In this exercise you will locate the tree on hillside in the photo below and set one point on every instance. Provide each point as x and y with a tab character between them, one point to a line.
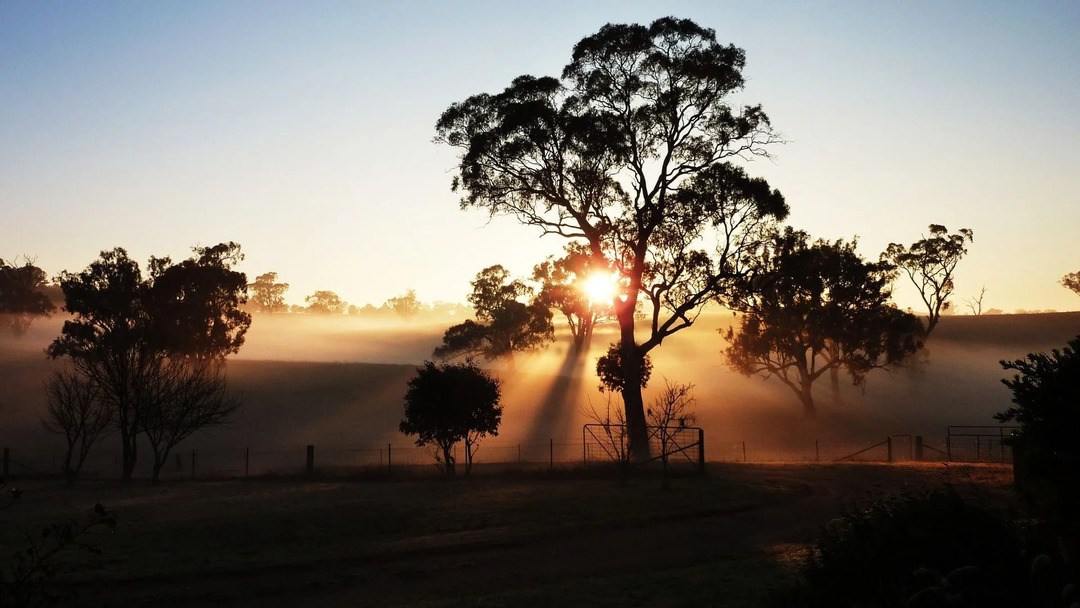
630	153
930	263
127	329
504	324
77	411
22	298
406	306
820	306
975	303
1071	281
325	303
447	404
565	286
267	295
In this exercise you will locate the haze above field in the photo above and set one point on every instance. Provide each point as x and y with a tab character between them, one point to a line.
303	132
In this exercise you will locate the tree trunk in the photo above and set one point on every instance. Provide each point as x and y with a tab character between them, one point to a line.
128	442
448	459
158	465
634	406
806	395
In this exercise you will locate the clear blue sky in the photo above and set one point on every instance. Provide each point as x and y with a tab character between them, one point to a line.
303	131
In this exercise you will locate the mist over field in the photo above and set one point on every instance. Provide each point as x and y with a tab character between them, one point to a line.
339	382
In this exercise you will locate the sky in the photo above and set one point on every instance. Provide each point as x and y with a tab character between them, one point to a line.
303	131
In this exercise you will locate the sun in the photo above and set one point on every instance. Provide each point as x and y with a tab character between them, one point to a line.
600	287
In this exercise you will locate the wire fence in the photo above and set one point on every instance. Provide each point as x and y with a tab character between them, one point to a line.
960	444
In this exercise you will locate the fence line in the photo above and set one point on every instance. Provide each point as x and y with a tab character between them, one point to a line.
342	460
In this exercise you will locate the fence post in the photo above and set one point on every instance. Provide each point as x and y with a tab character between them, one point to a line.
817	451
310	460
247	462
7	462
519	453
389	460
889	445
918	448
978	450
744	451
551	455
948	446
701	450
193	463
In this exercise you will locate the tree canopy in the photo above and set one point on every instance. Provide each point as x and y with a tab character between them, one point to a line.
21	297
930	263
818	306
325	303
267	295
128	333
1071	282
631	153
504	324
447	404
406	305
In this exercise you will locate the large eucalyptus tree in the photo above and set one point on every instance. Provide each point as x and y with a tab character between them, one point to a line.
632	152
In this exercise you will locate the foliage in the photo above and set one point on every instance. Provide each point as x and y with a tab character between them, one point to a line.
406	305
504	325
447	404
21	296
1071	282
563	286
325	303
609	369
1046	398
912	544
77	411
930	264
30	577
631	153
127	331
818	306
267	295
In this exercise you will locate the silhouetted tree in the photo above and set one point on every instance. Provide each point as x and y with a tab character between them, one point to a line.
629	152
445	404
21	296
183	397
818	306
78	411
504	325
670	412
406	305
126	329
930	263
1071	281
975	304
1046	405
325	303
267	295
564	287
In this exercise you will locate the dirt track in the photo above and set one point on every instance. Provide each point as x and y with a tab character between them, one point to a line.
458	567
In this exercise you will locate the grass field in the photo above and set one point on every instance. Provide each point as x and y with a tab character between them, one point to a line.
574	538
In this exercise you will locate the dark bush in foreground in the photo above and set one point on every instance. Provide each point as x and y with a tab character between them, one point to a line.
932	547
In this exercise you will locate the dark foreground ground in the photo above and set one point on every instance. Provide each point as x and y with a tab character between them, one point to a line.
572	539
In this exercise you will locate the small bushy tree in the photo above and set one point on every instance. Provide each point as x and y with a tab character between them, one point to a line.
21	297
451	403
1046	404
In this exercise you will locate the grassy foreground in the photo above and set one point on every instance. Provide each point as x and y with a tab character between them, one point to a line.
525	540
